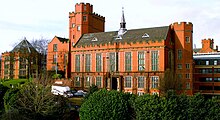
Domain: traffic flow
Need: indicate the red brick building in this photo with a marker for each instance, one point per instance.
(21, 62)
(57, 55)
(128, 60)
(207, 68)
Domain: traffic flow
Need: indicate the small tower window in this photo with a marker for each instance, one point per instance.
(187, 40)
(84, 18)
(78, 28)
(73, 25)
(84, 7)
(145, 35)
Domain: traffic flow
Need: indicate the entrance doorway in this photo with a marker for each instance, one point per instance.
(114, 83)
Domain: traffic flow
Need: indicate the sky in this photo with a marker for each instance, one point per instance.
(35, 19)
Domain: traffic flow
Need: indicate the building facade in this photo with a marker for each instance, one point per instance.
(82, 21)
(132, 61)
(22, 62)
(57, 55)
(207, 68)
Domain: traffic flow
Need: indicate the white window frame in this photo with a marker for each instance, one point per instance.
(206, 62)
(126, 81)
(154, 82)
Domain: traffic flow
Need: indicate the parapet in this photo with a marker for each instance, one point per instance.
(181, 23)
(82, 3)
(98, 15)
(208, 39)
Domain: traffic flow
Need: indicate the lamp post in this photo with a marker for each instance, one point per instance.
(56, 63)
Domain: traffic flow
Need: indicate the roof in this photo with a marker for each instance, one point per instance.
(135, 35)
(24, 46)
(62, 39)
(196, 50)
(206, 56)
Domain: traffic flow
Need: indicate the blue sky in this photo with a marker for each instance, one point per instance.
(34, 19)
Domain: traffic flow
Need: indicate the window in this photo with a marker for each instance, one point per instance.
(77, 81)
(77, 64)
(179, 76)
(95, 39)
(187, 66)
(55, 47)
(154, 82)
(54, 58)
(215, 62)
(187, 40)
(112, 60)
(128, 81)
(84, 7)
(179, 66)
(140, 93)
(87, 84)
(208, 79)
(98, 62)
(187, 76)
(84, 18)
(179, 54)
(141, 61)
(78, 28)
(154, 60)
(88, 62)
(155, 93)
(73, 25)
(99, 81)
(145, 35)
(187, 85)
(207, 62)
(140, 82)
(128, 61)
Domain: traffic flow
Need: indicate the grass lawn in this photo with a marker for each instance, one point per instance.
(14, 82)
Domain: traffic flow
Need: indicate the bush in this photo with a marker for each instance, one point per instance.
(91, 90)
(106, 105)
(55, 76)
(3, 90)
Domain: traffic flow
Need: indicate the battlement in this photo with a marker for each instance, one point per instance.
(182, 23)
(82, 3)
(83, 7)
(98, 15)
(208, 39)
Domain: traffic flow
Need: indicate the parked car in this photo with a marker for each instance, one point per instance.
(80, 93)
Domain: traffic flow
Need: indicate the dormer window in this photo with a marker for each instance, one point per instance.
(95, 39)
(145, 35)
(118, 38)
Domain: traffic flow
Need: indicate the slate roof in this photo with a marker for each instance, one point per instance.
(196, 50)
(24, 47)
(62, 39)
(135, 35)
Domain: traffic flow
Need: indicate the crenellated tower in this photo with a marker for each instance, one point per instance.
(183, 37)
(82, 21)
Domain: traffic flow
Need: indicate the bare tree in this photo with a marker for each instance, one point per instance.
(169, 82)
(40, 45)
